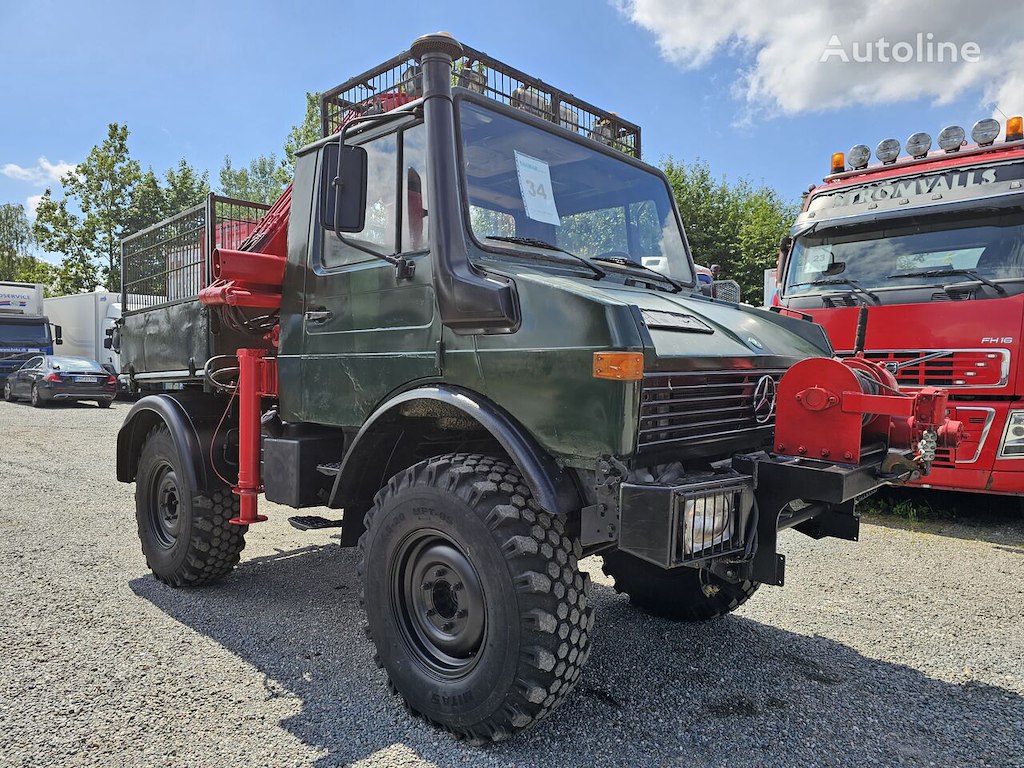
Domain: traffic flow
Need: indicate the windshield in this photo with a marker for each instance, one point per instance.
(24, 334)
(892, 256)
(526, 182)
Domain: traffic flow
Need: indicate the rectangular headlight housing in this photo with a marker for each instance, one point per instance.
(1012, 444)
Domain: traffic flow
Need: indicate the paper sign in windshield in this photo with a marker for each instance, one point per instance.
(535, 186)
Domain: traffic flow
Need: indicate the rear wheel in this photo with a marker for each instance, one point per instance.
(683, 594)
(186, 536)
(36, 398)
(104, 403)
(473, 596)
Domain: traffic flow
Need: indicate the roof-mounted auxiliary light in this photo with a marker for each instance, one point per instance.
(888, 150)
(951, 138)
(838, 162)
(985, 131)
(919, 144)
(859, 156)
(1015, 128)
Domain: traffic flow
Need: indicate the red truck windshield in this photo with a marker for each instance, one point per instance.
(937, 250)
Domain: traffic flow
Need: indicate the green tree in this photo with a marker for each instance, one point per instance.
(15, 240)
(300, 135)
(185, 187)
(736, 225)
(148, 206)
(101, 188)
(34, 270)
(259, 182)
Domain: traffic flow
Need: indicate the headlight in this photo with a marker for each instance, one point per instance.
(919, 144)
(1012, 444)
(858, 156)
(951, 137)
(985, 131)
(888, 150)
(707, 521)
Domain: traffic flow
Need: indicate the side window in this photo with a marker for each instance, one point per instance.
(34, 362)
(378, 234)
(415, 221)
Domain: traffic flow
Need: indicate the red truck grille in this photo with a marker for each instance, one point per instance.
(960, 369)
(701, 406)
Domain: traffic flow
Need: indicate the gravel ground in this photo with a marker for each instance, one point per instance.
(906, 648)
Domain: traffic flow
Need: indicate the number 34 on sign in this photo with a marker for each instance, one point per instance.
(535, 187)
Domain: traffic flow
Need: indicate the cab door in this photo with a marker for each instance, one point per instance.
(367, 328)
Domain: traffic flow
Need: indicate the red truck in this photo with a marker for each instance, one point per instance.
(932, 244)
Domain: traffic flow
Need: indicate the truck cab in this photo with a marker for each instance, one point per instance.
(24, 329)
(470, 337)
(931, 246)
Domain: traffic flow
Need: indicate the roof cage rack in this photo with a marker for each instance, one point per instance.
(398, 81)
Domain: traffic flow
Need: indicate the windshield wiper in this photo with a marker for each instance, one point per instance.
(622, 262)
(950, 272)
(534, 242)
(842, 281)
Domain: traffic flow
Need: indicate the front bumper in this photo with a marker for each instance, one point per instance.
(730, 524)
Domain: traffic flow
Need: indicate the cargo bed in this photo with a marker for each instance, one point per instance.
(167, 335)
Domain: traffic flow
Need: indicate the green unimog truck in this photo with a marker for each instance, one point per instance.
(471, 331)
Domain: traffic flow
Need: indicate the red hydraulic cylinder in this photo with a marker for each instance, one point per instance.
(256, 378)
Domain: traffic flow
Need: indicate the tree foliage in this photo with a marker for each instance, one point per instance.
(736, 225)
(259, 182)
(300, 135)
(107, 198)
(15, 240)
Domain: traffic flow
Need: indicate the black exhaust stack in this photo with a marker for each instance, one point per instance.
(469, 300)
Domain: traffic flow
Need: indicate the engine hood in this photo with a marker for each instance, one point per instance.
(701, 330)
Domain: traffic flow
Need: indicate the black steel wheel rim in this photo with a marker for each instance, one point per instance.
(165, 506)
(438, 603)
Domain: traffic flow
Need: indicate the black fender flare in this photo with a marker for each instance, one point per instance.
(186, 418)
(553, 487)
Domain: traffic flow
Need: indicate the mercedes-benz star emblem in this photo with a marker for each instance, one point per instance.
(764, 399)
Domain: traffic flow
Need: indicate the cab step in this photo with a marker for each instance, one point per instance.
(312, 522)
(331, 469)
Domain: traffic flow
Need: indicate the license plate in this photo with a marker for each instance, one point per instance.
(86, 379)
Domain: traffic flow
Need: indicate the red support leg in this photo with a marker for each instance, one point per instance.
(251, 378)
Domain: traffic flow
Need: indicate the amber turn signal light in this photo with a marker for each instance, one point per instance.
(620, 366)
(1015, 128)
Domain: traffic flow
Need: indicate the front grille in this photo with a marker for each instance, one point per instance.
(960, 369)
(700, 407)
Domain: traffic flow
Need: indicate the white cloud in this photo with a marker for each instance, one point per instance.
(41, 174)
(32, 205)
(782, 44)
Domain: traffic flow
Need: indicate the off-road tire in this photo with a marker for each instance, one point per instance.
(8, 394)
(37, 399)
(682, 594)
(202, 546)
(522, 575)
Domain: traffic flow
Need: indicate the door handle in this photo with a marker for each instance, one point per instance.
(318, 315)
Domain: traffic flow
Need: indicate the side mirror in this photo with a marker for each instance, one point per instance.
(58, 335)
(342, 205)
(108, 343)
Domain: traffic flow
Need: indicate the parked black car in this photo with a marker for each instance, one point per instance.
(54, 377)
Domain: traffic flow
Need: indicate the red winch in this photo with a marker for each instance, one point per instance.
(837, 409)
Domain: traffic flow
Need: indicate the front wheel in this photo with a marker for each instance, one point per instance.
(8, 393)
(683, 594)
(473, 596)
(186, 536)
